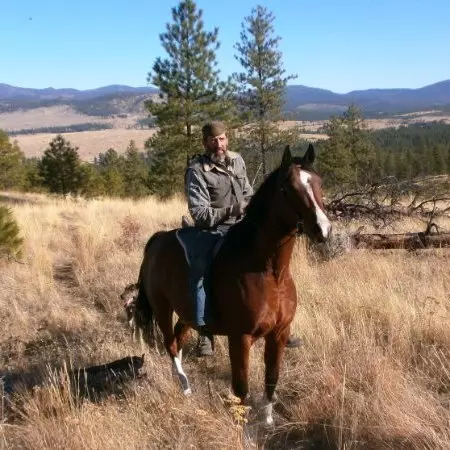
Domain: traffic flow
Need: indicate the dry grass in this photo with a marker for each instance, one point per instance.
(374, 371)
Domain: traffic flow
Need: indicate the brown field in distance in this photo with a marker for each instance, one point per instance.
(374, 371)
(91, 143)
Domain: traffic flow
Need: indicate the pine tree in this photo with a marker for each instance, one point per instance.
(108, 160)
(348, 155)
(191, 92)
(167, 164)
(92, 183)
(33, 179)
(437, 160)
(60, 167)
(262, 83)
(111, 166)
(334, 157)
(389, 167)
(362, 150)
(134, 172)
(12, 164)
(249, 144)
(10, 240)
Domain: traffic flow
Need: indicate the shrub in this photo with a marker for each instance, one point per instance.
(129, 239)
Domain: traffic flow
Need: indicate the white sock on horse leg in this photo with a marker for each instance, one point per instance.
(267, 411)
(181, 376)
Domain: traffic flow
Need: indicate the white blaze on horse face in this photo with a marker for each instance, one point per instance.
(322, 220)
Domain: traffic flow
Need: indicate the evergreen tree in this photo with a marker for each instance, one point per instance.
(348, 156)
(363, 161)
(438, 163)
(446, 150)
(276, 142)
(401, 165)
(12, 164)
(10, 240)
(167, 164)
(33, 179)
(419, 149)
(111, 166)
(262, 83)
(191, 91)
(389, 167)
(92, 182)
(334, 157)
(60, 167)
(134, 172)
(113, 183)
(108, 160)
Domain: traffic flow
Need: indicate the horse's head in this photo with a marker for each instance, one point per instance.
(301, 195)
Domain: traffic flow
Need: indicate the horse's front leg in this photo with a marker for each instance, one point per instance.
(273, 354)
(239, 347)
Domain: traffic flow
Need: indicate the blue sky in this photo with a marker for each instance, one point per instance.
(341, 45)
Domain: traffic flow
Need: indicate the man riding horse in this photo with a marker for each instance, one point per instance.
(218, 190)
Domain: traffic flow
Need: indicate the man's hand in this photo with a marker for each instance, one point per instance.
(237, 210)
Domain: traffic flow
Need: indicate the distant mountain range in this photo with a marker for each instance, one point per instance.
(13, 93)
(371, 101)
(302, 102)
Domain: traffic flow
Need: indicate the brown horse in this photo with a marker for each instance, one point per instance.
(253, 291)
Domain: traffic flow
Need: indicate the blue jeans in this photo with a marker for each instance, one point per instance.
(199, 296)
(199, 246)
(200, 263)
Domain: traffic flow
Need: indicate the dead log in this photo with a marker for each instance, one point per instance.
(408, 241)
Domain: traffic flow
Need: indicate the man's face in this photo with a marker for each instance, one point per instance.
(216, 146)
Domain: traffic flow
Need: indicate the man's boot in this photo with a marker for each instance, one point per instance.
(293, 342)
(205, 343)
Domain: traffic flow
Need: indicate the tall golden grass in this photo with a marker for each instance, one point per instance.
(374, 371)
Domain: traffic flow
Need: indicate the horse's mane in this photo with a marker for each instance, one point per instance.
(256, 210)
(241, 235)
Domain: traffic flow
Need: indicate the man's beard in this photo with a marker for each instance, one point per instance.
(219, 158)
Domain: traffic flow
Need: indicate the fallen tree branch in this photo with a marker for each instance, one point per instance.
(390, 200)
(409, 241)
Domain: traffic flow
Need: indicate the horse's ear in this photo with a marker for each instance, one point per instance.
(287, 157)
(310, 154)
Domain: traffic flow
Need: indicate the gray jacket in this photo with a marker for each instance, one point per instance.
(210, 191)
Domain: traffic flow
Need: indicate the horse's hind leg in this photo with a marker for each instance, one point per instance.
(181, 332)
(164, 319)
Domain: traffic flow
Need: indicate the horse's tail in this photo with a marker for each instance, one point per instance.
(144, 311)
